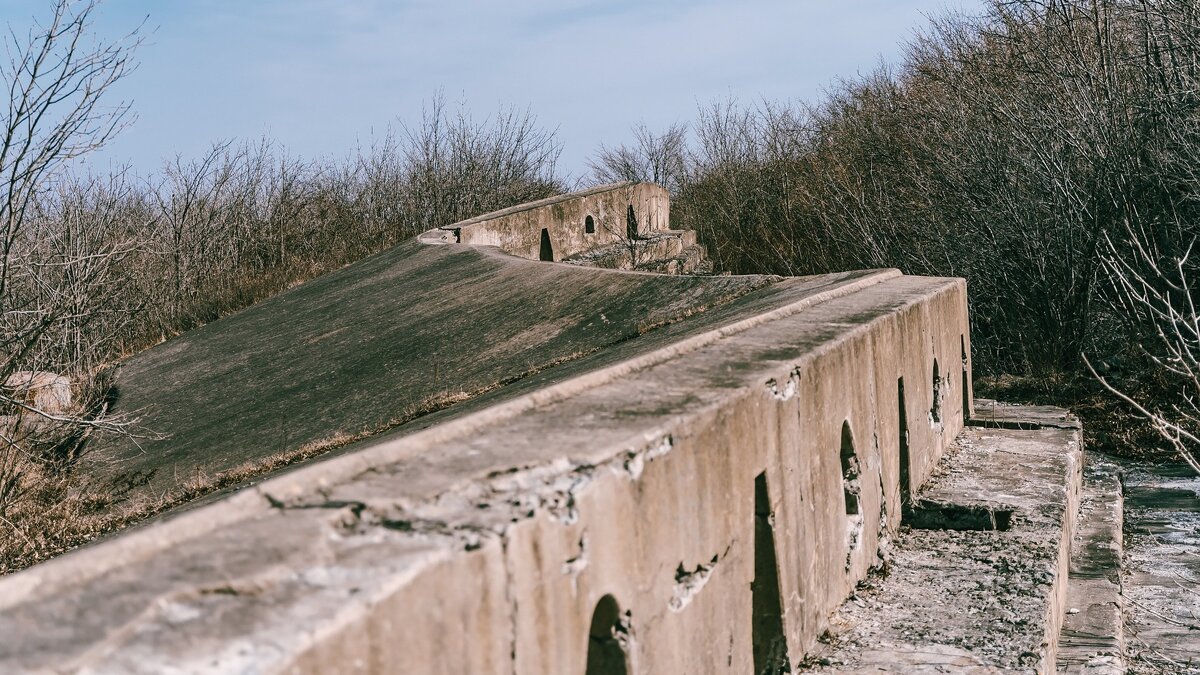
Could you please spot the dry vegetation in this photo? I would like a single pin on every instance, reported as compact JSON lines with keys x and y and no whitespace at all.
{"x":1046,"y":151}
{"x":93,"y":268}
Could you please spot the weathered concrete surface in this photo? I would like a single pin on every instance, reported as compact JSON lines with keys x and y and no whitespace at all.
{"x":1000,"y":415}
{"x":972,"y":600}
{"x":1092,"y":641}
{"x":618,"y":212}
{"x":663,"y":251}
{"x":376,"y":343}
{"x":1161,"y":580}
{"x":486,"y":544}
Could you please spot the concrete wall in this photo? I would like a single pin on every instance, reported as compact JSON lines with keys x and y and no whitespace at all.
{"x":675,"y":545}
{"x":490,"y":544}
{"x":518,"y":230}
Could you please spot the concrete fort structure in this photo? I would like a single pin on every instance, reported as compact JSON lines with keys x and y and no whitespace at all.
{"x":639,"y":473}
{"x":622,"y":226}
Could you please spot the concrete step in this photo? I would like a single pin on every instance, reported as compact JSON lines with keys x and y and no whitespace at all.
{"x":692,"y":260}
{"x":985,"y":593}
{"x":1092,"y":640}
{"x":1161,"y":576}
{"x":661,"y":251}
{"x":999,"y":415}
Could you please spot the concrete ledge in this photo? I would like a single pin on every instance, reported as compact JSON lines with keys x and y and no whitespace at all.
{"x":999,"y":415}
{"x":965,"y":599}
{"x":1093,"y":632}
{"x":565,"y":225}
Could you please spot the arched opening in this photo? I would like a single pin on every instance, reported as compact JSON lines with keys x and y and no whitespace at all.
{"x":935,"y":410}
{"x":905,"y":471}
{"x":589,"y":225}
{"x":606,"y":655}
{"x":851,"y":489}
{"x":769,"y":642}
{"x":850,"y":471}
{"x":631,"y":223}
{"x":547,"y":251}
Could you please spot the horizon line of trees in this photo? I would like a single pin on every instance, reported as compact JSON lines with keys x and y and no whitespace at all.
{"x":1029,"y":149}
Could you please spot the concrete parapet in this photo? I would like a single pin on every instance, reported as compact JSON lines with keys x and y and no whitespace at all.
{"x":701,"y":508}
{"x":565,"y":225}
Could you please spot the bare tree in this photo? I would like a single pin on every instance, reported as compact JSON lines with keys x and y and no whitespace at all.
{"x":1004,"y":149}
{"x":54,"y":267}
{"x":457,"y":167}
{"x":1156,"y":291}
{"x":653,"y":158}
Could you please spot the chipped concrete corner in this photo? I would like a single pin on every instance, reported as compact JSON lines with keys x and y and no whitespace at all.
{"x":705,"y":507}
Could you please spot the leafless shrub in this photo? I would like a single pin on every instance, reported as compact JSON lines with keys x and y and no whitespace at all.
{"x":57,"y":253}
{"x":1155,"y":291}
{"x":653,"y":158}
{"x":1005,"y":149}
{"x":456,"y":167}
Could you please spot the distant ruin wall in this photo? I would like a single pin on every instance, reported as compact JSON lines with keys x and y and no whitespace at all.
{"x":565,"y":225}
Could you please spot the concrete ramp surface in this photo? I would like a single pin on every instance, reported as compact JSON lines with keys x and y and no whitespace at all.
{"x":363,"y":350}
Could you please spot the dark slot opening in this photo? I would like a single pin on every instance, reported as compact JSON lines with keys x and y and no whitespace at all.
{"x":631,"y":223}
{"x":926,"y":515}
{"x":589,"y":225}
{"x":905,"y":471}
{"x":849,"y":471}
{"x":770,"y":645}
{"x":935,"y":409}
{"x":606,"y":655}
{"x":547,"y":251}
{"x":966,"y":388}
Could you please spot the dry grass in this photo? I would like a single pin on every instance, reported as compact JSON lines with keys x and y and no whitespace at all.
{"x":62,"y":510}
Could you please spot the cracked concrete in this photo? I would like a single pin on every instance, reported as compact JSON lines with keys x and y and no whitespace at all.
{"x":486,"y":543}
{"x":957,"y":593}
{"x":1160,"y":581}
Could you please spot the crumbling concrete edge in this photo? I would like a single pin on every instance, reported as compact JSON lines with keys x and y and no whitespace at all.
{"x":1092,"y":641}
{"x":1028,"y":418}
{"x":992,"y":414}
{"x":1088,"y":602}
{"x":1056,"y":611}
{"x":264,"y":496}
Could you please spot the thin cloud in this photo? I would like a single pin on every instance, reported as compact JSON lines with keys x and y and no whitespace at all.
{"x":318,"y":75}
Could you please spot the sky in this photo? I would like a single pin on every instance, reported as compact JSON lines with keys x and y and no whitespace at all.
{"x":321,"y":76}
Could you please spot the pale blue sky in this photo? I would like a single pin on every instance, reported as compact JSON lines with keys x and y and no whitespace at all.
{"x":321,"y":75}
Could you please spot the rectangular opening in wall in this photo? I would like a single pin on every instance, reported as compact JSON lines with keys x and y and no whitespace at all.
{"x":902,"y":426}
{"x":966,"y":374}
{"x":770,"y":644}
